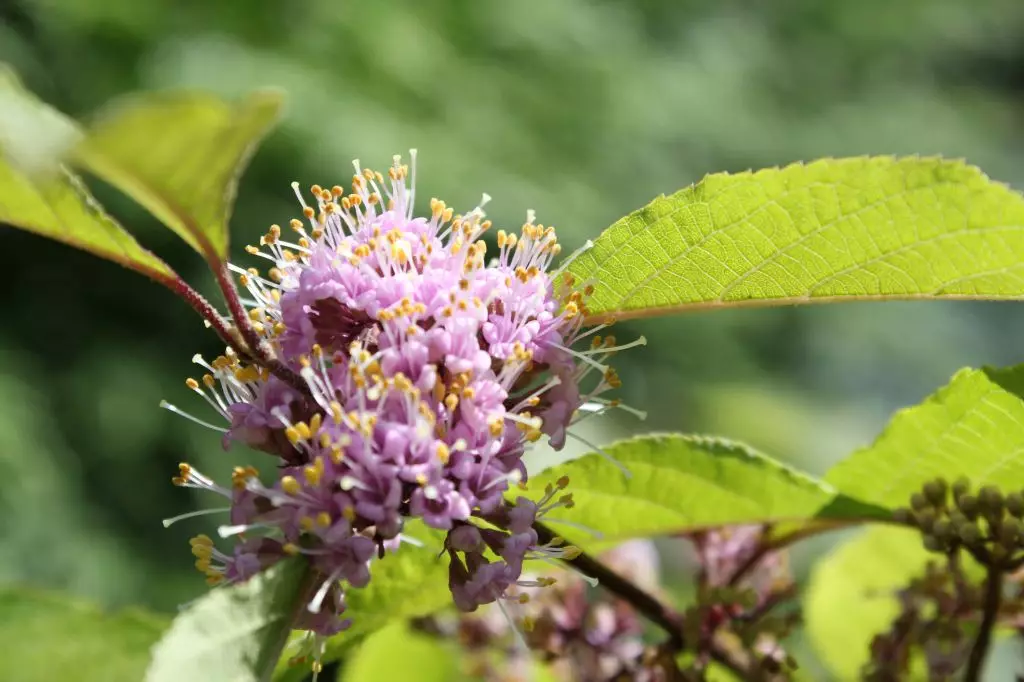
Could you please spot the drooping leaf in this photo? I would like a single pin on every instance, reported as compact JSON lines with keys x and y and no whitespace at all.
{"x":680,"y":483}
{"x":397,"y":652}
{"x":39,"y":195}
{"x":835,"y":229}
{"x":179,"y":154}
{"x":410,"y":582}
{"x":972,"y":427}
{"x":46,"y":636}
{"x":235,"y":633}
{"x":851,"y":596}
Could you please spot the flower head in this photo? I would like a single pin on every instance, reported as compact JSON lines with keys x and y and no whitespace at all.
{"x":427,"y":368}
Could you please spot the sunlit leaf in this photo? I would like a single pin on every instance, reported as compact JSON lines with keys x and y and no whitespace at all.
{"x":835,"y":229}
{"x":39,"y":195}
{"x":680,"y":483}
{"x":410,"y":582}
{"x":236,"y":633}
{"x":397,"y":652}
{"x":852,"y":594}
{"x":46,"y":636}
{"x":179,"y":154}
{"x":972,"y":427}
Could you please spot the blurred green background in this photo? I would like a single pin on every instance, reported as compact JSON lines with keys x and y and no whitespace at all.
{"x":580,"y":110}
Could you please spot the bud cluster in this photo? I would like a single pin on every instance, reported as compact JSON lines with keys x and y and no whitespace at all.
{"x":986,"y":523}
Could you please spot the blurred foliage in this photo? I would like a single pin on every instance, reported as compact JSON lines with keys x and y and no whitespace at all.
{"x":580,"y":110}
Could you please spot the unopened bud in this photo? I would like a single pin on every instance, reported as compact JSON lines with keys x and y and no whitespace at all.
{"x":943,"y":529}
{"x":969,"y":533}
{"x":918,"y":502}
{"x":903,"y":516}
{"x":968,"y":504}
{"x":961,"y":486}
{"x":935,"y":491}
{"x":990,"y":501}
{"x":1015,"y":504}
{"x":933,"y":544}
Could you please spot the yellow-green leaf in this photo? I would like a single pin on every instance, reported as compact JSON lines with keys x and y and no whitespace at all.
{"x":39,"y":195}
{"x":682,"y":483}
{"x":179,"y":154}
{"x":851,"y":596}
{"x":45,"y":636}
{"x":972,"y":427}
{"x":835,"y":229}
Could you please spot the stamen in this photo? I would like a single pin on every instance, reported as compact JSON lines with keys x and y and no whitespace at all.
{"x":182,"y":413}
{"x":201,"y":512}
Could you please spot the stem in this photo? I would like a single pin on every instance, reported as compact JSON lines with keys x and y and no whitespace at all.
{"x":993,"y":596}
{"x":644,"y":603}
{"x":226,"y":333}
{"x":777,"y":543}
{"x":257,"y":346}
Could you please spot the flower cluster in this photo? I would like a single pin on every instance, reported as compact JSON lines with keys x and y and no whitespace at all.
{"x":426,"y":370}
{"x":580,"y":636}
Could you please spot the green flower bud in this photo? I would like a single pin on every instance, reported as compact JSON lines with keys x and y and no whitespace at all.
{"x":903,"y":516}
{"x":943,"y":529}
{"x":918,"y":502}
{"x":925,"y":519}
{"x":1015,"y":504}
{"x":969,"y":533}
{"x":961,"y":487}
{"x":990,"y":500}
{"x":1009,"y":531}
{"x":935,"y":491}
{"x":933,"y":544}
{"x":968,"y":504}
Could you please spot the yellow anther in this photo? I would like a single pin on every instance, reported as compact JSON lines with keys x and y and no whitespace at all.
{"x":293,"y":435}
{"x":497,"y":427}
{"x":192,"y":383}
{"x":306,"y":523}
{"x":349,"y":513}
{"x":421,"y":479}
{"x":337,"y":454}
{"x":290,"y":485}
{"x":290,"y":548}
{"x":443,"y":453}
{"x":215,"y":579}
{"x":201,"y":540}
{"x":323,"y":519}
{"x":249,"y":248}
{"x":314,"y":472}
{"x":308,"y":212}
{"x":209,"y":380}
{"x":325,"y":439}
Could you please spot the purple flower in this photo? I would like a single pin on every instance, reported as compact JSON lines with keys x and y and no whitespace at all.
{"x":427,"y":368}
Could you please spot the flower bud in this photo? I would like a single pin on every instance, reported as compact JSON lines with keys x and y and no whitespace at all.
{"x":935,"y":491}
{"x":933,"y":544}
{"x":968,"y":504}
{"x":1015,"y":504}
{"x":961,"y":486}
{"x":990,"y":501}
{"x":903,"y":516}
{"x":943,"y":530}
{"x":969,"y":533}
{"x":925,"y":519}
{"x":918,"y":502}
{"x":1009,"y":532}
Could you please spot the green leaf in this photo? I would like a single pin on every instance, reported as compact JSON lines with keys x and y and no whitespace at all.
{"x":235,"y":633}
{"x":37,"y":194}
{"x":179,"y":154}
{"x":46,"y":636}
{"x":397,"y":652}
{"x":404,"y":584}
{"x":835,"y":229}
{"x":972,"y":427}
{"x":679,"y":483}
{"x":846,"y":604}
